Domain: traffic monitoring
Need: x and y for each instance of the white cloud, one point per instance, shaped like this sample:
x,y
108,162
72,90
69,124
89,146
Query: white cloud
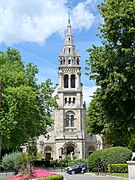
x,y
87,94
36,20
82,16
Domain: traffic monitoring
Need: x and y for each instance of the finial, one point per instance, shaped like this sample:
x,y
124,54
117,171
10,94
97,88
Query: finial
x,y
69,14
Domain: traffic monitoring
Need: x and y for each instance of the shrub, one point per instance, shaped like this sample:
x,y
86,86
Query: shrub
x,y
80,160
14,161
114,155
55,177
9,161
118,168
63,163
37,174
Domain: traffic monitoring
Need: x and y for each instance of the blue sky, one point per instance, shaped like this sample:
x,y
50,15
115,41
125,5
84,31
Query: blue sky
x,y
37,28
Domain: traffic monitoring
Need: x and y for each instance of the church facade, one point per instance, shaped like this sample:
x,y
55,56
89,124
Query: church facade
x,y
67,135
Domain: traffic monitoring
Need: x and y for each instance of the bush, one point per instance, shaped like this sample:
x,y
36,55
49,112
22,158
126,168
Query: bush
x,y
9,161
14,161
56,177
118,168
114,155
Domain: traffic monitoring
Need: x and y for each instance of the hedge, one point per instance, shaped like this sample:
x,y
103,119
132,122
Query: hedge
x,y
113,155
118,168
56,177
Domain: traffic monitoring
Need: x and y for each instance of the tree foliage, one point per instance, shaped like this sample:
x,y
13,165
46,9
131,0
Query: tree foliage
x,y
112,67
26,105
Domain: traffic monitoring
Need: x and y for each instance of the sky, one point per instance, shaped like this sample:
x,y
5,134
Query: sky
x,y
37,28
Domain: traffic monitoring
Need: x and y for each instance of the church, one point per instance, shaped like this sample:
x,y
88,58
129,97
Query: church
x,y
67,135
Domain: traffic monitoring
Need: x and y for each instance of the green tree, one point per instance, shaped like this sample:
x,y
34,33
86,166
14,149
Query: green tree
x,y
112,67
94,119
26,105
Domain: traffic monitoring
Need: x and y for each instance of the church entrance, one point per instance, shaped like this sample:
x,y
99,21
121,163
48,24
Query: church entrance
x,y
70,150
48,156
48,152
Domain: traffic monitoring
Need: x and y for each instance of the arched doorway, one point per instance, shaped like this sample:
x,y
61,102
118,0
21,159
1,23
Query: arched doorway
x,y
48,152
70,149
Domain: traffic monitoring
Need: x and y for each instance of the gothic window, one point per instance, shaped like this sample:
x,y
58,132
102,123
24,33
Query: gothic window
x,y
69,39
72,120
69,50
69,61
69,119
66,81
73,100
72,81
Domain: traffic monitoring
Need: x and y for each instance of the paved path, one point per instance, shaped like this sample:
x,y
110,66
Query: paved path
x,y
4,174
87,177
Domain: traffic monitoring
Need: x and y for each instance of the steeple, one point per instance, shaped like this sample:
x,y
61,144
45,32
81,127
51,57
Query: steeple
x,y
69,55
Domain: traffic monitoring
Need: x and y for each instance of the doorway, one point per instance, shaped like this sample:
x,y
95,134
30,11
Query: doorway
x,y
70,150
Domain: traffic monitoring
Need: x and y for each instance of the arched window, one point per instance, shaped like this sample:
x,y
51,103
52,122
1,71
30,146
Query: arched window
x,y
77,61
65,100
72,81
72,120
66,81
67,120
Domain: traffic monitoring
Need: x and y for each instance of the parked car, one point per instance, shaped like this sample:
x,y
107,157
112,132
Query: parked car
x,y
78,168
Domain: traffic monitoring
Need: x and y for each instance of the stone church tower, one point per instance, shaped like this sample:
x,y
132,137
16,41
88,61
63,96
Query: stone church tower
x,y
67,136
69,127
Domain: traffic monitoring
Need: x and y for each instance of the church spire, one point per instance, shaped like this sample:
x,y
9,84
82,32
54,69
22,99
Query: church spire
x,y
69,55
